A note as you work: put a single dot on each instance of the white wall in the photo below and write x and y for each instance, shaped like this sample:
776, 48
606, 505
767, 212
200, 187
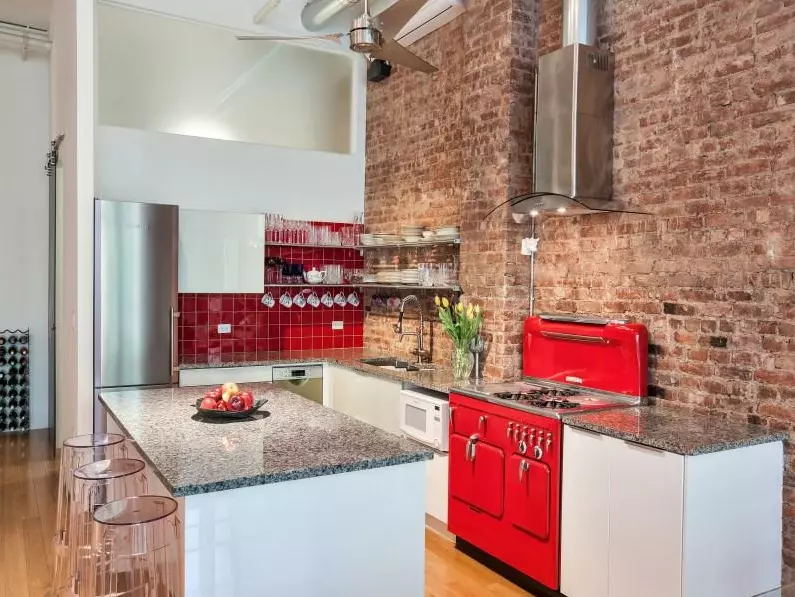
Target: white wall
24, 210
72, 113
202, 173
173, 76
198, 173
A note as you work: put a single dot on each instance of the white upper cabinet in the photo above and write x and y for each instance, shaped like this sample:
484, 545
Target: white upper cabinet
221, 252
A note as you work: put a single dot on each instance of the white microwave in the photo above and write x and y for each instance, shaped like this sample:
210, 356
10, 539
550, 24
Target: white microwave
425, 418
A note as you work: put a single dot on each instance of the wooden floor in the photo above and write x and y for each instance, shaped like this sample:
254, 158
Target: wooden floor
28, 495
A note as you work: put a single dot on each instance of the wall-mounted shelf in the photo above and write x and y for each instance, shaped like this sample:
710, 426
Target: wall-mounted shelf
401, 245
454, 288
305, 246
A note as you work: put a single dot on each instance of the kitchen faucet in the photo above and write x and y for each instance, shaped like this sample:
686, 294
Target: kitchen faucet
420, 352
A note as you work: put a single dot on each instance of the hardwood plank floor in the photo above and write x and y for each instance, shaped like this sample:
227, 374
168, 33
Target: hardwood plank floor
28, 501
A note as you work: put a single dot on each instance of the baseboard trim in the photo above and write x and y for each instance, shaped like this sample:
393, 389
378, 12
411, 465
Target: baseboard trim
438, 527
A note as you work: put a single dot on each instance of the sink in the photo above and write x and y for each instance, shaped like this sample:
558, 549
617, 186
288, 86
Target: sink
396, 364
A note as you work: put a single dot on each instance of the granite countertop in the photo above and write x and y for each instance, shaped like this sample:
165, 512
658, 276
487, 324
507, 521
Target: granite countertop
676, 429
291, 438
440, 378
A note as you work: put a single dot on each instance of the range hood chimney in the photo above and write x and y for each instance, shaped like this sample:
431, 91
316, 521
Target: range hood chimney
573, 146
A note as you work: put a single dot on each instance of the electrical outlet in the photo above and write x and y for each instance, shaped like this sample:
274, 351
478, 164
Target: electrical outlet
224, 328
337, 325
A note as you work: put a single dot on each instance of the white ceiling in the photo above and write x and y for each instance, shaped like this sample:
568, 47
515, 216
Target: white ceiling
26, 12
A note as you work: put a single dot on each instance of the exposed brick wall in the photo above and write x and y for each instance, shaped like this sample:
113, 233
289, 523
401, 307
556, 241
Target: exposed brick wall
447, 148
705, 140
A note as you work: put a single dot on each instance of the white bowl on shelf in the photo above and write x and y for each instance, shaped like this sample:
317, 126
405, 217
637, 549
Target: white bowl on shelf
428, 234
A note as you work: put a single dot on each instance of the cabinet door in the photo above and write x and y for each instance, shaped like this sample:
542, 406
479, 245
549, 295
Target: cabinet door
477, 480
646, 521
585, 512
221, 252
527, 499
436, 487
367, 398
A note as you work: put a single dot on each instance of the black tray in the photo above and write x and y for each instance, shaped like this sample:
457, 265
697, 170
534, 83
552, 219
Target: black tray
225, 414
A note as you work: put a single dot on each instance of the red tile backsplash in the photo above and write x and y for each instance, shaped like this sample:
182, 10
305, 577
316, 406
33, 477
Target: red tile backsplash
256, 327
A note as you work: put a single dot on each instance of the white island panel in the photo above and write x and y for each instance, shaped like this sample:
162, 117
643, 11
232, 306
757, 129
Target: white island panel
356, 534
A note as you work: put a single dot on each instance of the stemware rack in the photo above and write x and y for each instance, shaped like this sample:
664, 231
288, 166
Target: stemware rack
14, 380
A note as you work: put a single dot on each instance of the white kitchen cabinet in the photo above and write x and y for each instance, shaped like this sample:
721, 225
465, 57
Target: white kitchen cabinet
436, 487
370, 399
214, 376
221, 252
586, 504
640, 521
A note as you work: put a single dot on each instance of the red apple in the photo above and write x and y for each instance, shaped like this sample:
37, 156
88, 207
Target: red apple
237, 404
248, 399
221, 405
216, 393
208, 403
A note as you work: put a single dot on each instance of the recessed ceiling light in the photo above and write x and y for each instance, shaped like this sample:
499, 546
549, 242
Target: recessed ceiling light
561, 210
534, 213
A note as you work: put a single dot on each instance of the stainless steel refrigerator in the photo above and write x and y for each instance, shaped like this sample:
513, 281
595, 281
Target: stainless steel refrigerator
135, 296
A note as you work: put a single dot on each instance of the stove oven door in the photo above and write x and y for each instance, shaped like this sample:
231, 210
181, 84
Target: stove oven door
528, 489
477, 474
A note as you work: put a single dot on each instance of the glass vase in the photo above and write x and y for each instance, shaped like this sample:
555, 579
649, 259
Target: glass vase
462, 362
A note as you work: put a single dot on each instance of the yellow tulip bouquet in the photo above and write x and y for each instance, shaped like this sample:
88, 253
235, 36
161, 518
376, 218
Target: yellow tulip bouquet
462, 324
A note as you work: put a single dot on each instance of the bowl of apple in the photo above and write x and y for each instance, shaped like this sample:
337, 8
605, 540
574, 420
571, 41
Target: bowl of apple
229, 402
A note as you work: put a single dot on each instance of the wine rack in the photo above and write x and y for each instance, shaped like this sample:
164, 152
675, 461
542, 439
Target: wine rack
14, 380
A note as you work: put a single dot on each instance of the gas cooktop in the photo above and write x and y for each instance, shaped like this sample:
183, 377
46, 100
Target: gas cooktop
550, 401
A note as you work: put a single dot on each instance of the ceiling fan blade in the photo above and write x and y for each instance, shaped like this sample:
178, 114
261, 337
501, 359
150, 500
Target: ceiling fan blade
335, 37
394, 18
393, 52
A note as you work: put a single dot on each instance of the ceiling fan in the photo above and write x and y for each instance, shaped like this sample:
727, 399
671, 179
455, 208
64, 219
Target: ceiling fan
373, 36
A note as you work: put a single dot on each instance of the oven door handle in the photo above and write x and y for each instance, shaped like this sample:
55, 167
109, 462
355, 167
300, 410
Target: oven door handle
574, 337
470, 448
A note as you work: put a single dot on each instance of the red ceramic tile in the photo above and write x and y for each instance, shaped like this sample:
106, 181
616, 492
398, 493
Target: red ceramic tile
189, 302
202, 318
238, 303
187, 319
227, 302
201, 303
214, 303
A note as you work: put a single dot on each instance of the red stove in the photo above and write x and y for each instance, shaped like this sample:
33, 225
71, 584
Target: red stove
505, 438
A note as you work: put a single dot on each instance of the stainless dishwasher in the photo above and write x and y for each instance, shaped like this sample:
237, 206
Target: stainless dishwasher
304, 380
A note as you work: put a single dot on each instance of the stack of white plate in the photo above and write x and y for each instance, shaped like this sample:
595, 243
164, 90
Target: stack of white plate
447, 233
411, 233
410, 276
369, 279
367, 239
388, 277
388, 239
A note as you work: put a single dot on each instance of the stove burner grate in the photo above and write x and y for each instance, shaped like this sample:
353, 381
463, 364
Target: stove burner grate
543, 398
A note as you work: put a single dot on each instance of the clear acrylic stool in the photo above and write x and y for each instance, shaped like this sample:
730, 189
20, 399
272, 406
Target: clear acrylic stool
136, 549
95, 485
76, 452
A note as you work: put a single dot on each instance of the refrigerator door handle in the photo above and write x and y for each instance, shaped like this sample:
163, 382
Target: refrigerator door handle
174, 322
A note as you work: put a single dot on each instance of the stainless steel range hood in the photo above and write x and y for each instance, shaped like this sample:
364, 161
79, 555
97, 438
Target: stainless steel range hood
573, 146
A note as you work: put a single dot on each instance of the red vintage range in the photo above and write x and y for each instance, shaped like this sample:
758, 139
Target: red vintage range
505, 439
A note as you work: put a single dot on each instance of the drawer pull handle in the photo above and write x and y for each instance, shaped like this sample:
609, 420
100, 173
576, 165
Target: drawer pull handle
482, 422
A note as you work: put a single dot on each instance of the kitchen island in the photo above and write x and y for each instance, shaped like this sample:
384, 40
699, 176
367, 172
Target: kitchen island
299, 500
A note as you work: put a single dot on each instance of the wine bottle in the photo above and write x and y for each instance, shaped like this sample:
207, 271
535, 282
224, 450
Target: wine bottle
12, 351
12, 360
13, 393
12, 339
2, 340
3, 361
2, 351
23, 392
3, 426
23, 402
24, 339
23, 361
23, 351
22, 380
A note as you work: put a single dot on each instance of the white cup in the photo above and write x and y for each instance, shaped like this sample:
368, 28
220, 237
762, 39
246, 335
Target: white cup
299, 300
353, 299
268, 300
341, 299
286, 300
327, 300
313, 300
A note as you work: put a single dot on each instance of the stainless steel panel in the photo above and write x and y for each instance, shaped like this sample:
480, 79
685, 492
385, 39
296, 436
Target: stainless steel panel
574, 123
579, 22
136, 294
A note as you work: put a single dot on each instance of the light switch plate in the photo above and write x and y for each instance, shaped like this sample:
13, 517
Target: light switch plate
224, 328
337, 325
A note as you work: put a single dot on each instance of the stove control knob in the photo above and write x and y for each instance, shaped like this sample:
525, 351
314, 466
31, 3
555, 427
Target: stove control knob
538, 452
516, 433
482, 422
510, 430
524, 429
532, 433
523, 447
549, 440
